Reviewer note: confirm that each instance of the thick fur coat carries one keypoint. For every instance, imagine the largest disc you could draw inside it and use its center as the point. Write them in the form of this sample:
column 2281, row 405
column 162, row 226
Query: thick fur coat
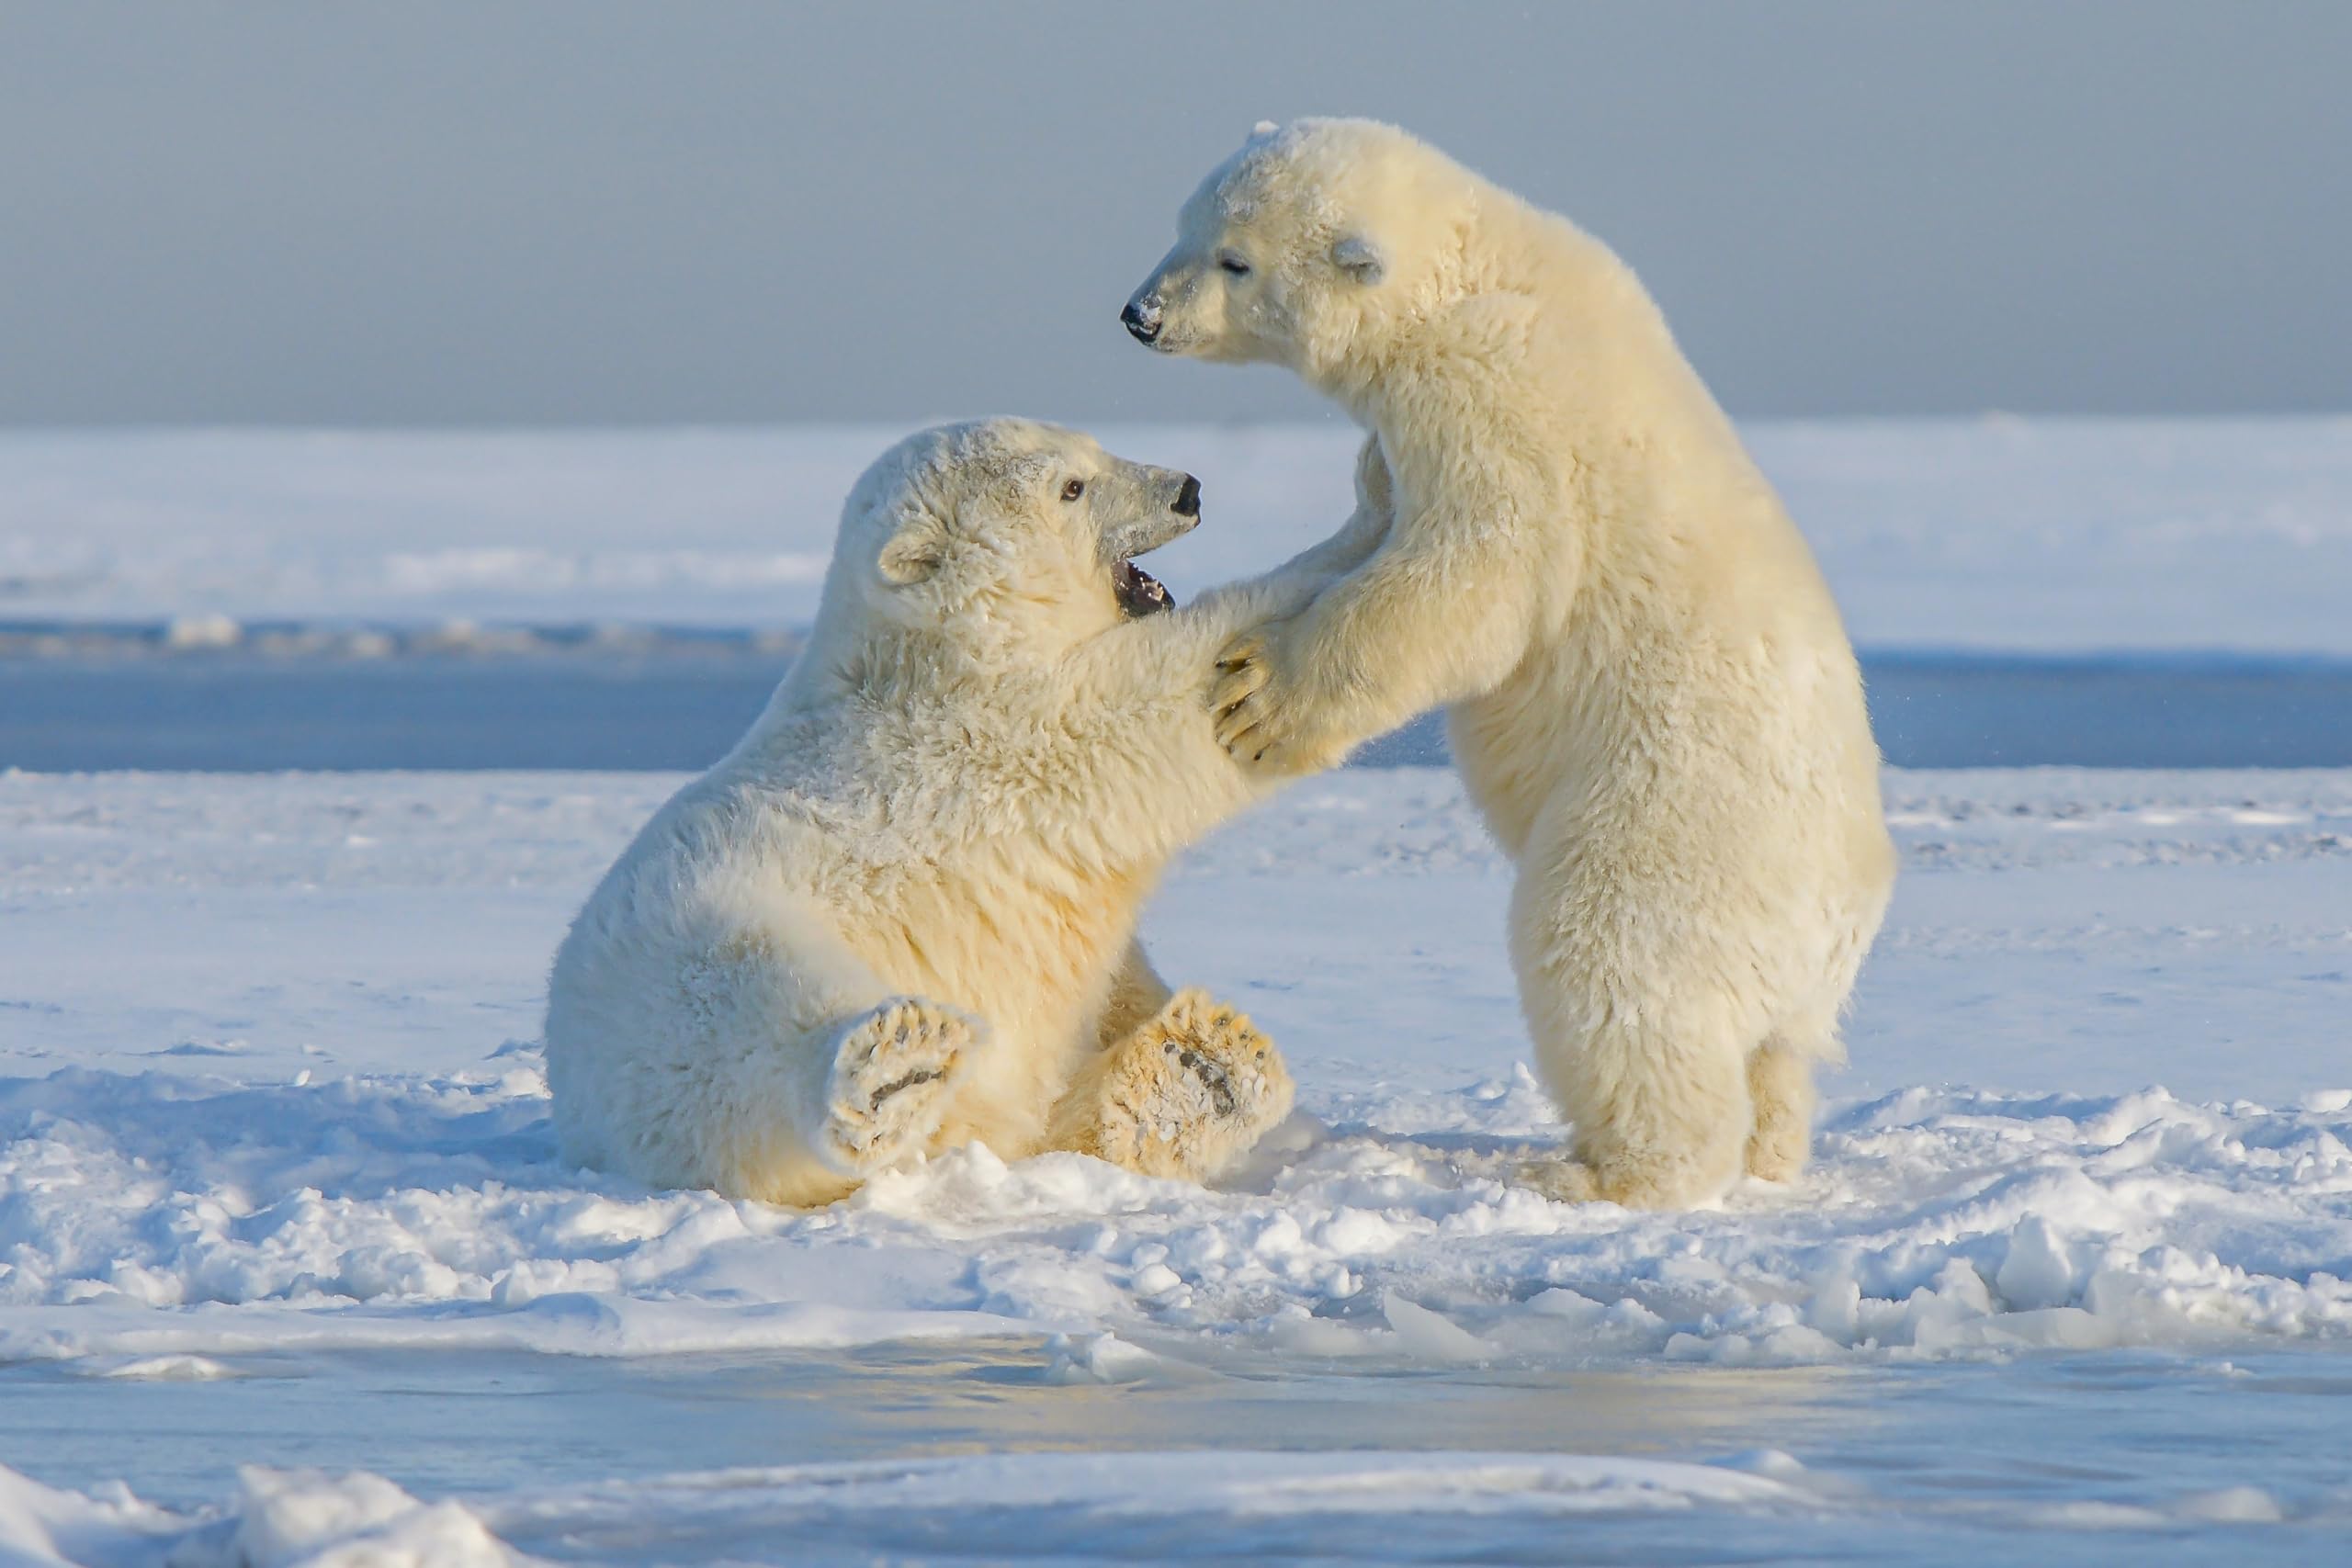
column 1650, row 694
column 900, row 915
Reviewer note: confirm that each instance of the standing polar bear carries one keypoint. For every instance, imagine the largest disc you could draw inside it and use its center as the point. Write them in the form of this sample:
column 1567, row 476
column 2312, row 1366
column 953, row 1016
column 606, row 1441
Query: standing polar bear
column 900, row 915
column 1651, row 699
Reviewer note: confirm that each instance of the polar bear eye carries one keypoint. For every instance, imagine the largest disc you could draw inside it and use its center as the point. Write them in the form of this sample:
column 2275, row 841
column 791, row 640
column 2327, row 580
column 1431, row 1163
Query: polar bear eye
column 1073, row 489
column 1234, row 265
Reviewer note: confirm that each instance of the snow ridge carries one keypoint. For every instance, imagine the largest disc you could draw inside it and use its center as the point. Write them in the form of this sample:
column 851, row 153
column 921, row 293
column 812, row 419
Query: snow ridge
column 145, row 1217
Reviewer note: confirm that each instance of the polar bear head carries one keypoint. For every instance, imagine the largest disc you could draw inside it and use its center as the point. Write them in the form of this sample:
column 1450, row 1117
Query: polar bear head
column 1316, row 237
column 1003, row 537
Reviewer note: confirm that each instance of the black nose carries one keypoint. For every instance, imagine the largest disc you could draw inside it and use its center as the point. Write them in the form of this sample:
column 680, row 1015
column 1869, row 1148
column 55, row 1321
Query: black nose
column 1188, row 500
column 1144, row 328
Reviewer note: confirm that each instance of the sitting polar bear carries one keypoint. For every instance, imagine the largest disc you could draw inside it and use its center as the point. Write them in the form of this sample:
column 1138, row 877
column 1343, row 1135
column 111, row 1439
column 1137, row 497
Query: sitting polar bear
column 899, row 915
column 1653, row 701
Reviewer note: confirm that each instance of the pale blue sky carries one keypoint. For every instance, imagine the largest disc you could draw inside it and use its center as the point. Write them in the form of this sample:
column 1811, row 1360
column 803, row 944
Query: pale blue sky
column 565, row 211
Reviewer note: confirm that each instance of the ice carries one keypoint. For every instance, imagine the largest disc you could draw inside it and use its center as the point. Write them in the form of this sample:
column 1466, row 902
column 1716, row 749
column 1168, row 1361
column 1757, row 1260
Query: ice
column 1235, row 1504
column 288, row 1519
column 171, row 1369
column 1069, row 1507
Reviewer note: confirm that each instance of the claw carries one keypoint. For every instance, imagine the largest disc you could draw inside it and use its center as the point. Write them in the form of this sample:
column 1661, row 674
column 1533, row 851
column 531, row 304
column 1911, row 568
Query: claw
column 1234, row 733
column 1241, row 650
column 1231, row 690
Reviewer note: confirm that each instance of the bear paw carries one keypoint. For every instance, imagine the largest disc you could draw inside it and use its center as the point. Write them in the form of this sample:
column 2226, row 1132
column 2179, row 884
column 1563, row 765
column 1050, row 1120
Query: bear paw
column 1562, row 1181
column 892, row 1073
column 1777, row 1150
column 1193, row 1090
column 1780, row 1090
column 1262, row 720
column 1629, row 1183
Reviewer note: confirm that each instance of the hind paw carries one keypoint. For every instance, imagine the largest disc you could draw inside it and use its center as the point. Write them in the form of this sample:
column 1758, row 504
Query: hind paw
column 892, row 1073
column 1562, row 1181
column 1193, row 1089
column 1632, row 1183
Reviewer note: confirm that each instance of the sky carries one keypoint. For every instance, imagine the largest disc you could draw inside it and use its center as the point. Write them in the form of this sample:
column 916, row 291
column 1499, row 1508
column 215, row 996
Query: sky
column 576, row 213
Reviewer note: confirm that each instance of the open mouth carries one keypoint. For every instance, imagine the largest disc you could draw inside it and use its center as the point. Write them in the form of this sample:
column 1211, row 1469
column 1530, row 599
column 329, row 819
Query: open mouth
column 1139, row 592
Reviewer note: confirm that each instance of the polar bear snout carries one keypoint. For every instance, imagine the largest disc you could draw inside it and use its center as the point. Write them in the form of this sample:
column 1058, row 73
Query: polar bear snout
column 1142, row 317
column 1172, row 509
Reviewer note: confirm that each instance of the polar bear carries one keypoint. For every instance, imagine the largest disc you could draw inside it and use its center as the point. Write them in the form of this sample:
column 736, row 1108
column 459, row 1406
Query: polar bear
column 899, row 916
column 1651, row 696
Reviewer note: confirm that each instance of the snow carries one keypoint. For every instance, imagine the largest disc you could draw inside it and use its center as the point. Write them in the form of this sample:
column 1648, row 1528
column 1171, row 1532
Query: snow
column 1998, row 533
column 1228, row 1505
column 313, row 1112
column 276, row 1095
column 282, row 1519
column 279, row 1520
column 290, row 1273
column 157, row 1225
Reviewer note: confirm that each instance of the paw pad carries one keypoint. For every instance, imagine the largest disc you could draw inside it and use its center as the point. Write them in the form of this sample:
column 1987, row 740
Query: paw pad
column 892, row 1071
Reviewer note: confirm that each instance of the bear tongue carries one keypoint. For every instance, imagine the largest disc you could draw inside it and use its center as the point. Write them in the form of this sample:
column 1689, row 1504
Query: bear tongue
column 1139, row 592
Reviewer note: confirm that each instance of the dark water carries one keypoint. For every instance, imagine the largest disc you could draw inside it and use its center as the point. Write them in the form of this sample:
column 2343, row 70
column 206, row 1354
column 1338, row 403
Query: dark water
column 681, row 711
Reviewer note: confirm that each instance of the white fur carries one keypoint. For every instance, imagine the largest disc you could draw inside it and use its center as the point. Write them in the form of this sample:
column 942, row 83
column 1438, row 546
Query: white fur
column 901, row 914
column 1652, row 696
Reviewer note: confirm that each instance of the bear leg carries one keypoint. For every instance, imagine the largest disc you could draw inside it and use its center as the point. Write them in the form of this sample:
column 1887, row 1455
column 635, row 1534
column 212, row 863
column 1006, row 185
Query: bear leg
column 1779, row 1087
column 1137, row 993
column 1657, row 1095
column 1642, row 1008
column 893, row 1071
column 1184, row 1097
column 1666, row 1142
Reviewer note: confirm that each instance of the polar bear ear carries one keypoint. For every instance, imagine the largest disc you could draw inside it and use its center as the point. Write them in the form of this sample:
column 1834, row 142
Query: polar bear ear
column 1358, row 257
column 1264, row 128
column 915, row 548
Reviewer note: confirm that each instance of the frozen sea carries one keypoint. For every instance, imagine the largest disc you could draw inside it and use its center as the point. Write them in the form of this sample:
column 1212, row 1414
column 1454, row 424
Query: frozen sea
column 289, row 1272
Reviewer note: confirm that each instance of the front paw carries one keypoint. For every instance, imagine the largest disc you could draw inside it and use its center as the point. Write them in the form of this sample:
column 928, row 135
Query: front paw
column 1260, row 720
column 1244, row 668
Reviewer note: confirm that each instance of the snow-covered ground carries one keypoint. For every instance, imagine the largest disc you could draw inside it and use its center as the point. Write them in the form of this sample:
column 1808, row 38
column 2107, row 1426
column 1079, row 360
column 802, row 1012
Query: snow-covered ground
column 2071, row 1280
column 1996, row 533
column 272, row 1120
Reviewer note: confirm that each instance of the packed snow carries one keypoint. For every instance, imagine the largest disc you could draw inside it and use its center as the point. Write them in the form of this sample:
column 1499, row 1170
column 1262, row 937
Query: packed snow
column 339, row 1137
column 277, row 1092
column 1995, row 533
